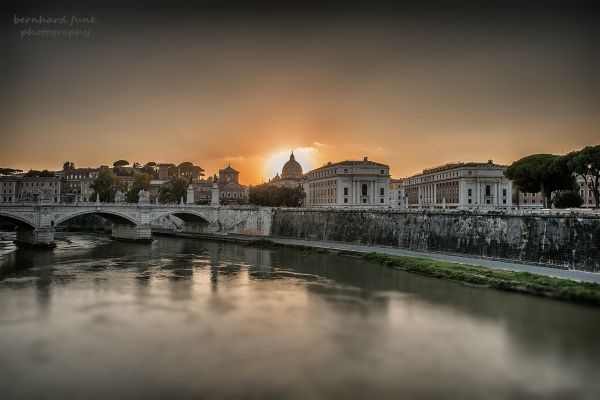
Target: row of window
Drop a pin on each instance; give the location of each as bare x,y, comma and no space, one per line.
79,176
38,184
488,191
323,183
330,200
232,194
488,201
329,172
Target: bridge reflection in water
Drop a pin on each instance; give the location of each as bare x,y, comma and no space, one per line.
187,318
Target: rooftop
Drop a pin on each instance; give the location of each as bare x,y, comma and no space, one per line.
364,161
448,166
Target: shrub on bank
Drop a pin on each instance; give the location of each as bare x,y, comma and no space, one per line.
522,282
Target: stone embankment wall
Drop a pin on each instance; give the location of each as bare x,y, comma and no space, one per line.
566,240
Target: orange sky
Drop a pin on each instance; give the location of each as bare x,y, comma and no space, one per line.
409,93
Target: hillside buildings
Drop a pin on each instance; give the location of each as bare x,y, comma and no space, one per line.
456,185
15,189
348,184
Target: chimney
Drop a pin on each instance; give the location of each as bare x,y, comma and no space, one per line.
366,158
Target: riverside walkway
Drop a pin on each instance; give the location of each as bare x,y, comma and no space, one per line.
459,259
575,275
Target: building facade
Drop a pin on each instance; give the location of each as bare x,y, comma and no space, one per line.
587,195
458,185
230,189
15,189
396,193
76,184
348,184
8,189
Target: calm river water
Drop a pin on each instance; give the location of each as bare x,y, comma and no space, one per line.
190,319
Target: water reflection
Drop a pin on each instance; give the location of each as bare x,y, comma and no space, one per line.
186,318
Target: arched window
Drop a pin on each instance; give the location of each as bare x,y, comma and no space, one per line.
364,189
488,190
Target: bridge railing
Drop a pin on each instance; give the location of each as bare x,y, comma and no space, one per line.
92,204
250,207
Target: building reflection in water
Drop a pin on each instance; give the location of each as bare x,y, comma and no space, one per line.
289,300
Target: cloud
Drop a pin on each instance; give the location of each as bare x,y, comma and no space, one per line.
234,158
307,149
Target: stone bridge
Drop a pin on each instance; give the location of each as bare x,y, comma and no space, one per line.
133,221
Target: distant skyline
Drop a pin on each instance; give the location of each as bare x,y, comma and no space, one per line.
409,87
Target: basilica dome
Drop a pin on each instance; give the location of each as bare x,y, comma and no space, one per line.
291,169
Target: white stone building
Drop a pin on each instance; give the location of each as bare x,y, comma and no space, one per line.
348,184
460,186
397,193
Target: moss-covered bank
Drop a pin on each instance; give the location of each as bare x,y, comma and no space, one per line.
522,282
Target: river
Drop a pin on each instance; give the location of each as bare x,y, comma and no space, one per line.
184,318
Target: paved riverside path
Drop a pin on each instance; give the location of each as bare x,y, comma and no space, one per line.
363,248
489,263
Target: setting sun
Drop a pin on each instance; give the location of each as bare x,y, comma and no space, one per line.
304,155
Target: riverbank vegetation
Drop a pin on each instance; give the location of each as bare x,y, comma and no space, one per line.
552,175
521,282
273,196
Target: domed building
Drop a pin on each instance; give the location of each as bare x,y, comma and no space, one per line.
291,174
291,169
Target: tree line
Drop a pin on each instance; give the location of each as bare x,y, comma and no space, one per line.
549,173
273,196
107,184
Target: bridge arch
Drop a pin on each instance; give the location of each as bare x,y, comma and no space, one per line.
113,216
18,220
185,216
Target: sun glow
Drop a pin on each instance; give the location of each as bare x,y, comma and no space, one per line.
274,163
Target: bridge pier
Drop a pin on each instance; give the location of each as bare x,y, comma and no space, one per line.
194,227
39,238
132,233
200,227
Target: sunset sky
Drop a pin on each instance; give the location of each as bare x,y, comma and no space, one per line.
411,87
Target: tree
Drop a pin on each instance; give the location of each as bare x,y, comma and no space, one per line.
141,181
137,165
543,173
35,173
151,169
173,171
10,171
68,165
107,185
120,163
173,191
187,169
586,163
567,199
273,196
